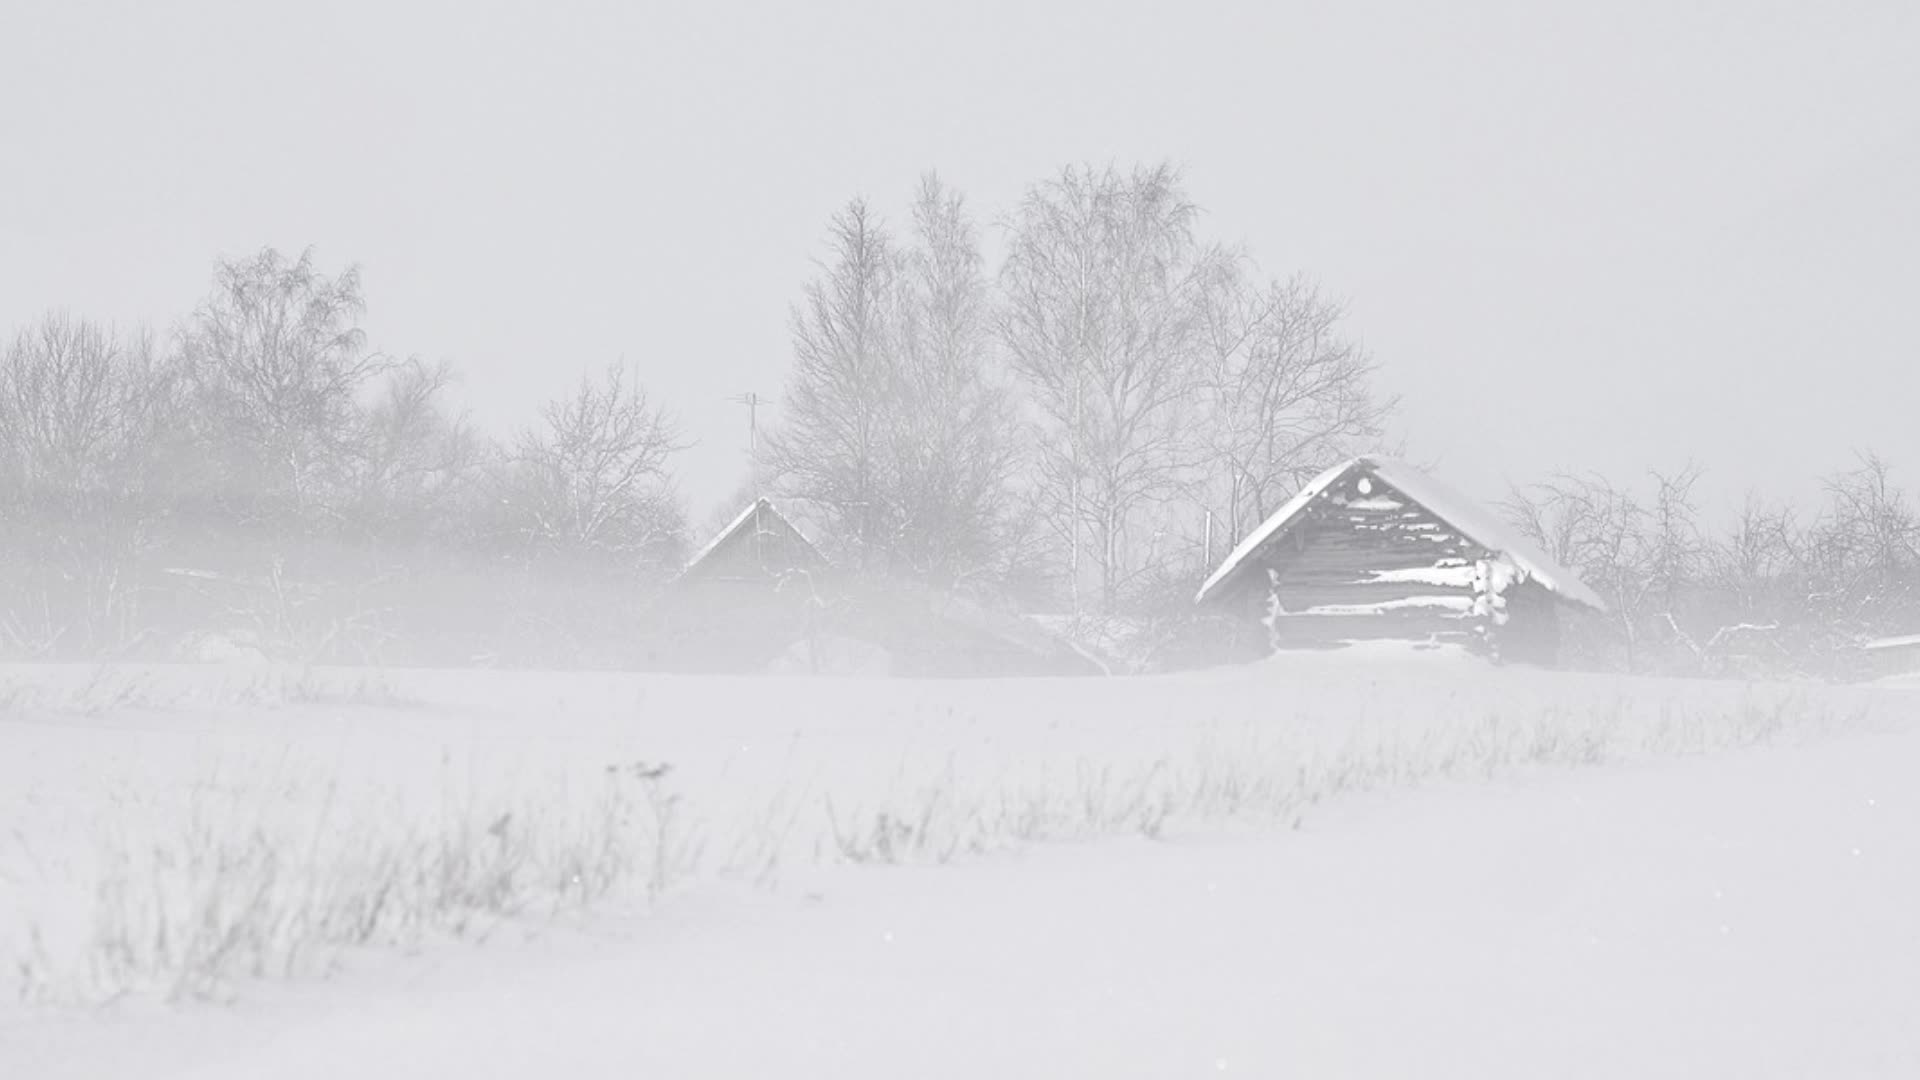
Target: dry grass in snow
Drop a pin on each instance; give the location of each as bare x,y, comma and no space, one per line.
177,830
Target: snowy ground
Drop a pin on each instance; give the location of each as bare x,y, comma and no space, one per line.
1430,892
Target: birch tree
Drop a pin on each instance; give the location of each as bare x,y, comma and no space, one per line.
954,436
894,425
830,447
1288,393
1103,317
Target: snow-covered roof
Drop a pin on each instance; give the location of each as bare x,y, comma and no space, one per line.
741,522
1908,641
1275,524
1457,511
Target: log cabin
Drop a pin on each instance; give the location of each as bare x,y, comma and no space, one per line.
760,597
746,596
1375,550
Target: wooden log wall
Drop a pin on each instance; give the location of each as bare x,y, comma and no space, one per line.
1371,565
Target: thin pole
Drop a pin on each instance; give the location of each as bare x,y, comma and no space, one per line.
752,401
1206,548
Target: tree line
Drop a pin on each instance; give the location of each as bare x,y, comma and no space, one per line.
266,410
263,430
1779,591
1084,419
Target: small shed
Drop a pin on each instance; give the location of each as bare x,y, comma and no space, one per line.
743,599
758,546
1376,550
759,597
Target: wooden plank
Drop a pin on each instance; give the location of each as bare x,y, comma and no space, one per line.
1298,595
1295,629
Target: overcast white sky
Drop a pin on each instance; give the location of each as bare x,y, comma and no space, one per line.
1582,236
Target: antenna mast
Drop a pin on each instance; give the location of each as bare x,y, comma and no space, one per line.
752,401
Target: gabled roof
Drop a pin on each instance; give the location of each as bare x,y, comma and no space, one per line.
1457,511
759,520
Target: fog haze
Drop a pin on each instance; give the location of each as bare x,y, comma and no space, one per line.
1282,538
1637,234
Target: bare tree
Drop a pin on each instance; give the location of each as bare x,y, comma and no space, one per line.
1750,581
1676,549
1647,558
593,479
832,446
85,417
894,427
412,461
1749,565
81,410
276,362
1288,395
1599,531
955,431
1103,316
1863,554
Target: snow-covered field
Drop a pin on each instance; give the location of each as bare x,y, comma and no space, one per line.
1330,866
